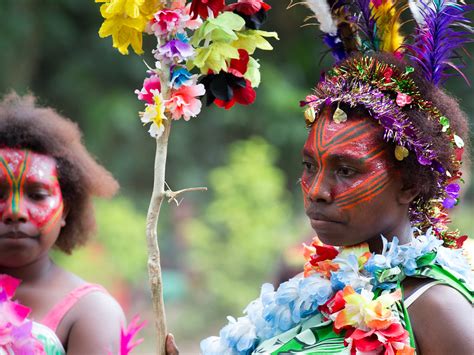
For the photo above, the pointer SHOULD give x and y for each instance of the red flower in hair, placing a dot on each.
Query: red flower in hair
(248, 7)
(201, 7)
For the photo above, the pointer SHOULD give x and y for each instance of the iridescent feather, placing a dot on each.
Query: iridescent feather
(439, 37)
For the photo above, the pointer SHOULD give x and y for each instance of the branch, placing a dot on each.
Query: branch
(154, 266)
(171, 195)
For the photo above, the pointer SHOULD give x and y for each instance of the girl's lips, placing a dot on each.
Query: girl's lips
(15, 235)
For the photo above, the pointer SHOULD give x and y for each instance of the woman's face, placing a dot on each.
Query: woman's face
(349, 184)
(31, 206)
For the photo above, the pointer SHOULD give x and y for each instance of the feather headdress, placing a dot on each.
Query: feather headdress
(442, 30)
(389, 91)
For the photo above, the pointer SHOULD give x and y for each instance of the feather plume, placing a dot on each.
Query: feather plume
(323, 14)
(387, 18)
(444, 30)
(415, 8)
(329, 25)
(366, 25)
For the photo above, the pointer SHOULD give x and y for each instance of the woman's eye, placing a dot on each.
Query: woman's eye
(308, 166)
(345, 171)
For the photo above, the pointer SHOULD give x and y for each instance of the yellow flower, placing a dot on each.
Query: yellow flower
(125, 21)
(155, 114)
(362, 311)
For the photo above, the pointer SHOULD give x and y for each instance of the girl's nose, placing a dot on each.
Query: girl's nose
(15, 213)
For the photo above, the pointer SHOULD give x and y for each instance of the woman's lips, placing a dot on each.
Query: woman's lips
(322, 218)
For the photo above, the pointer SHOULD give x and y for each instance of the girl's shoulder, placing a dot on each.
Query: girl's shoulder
(87, 315)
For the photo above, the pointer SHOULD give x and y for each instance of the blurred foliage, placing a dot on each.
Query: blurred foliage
(118, 250)
(243, 230)
(239, 227)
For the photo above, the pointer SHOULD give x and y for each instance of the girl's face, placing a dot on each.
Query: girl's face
(349, 184)
(31, 206)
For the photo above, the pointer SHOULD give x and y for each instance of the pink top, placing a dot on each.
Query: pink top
(60, 309)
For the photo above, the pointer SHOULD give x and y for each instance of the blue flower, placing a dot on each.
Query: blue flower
(180, 76)
(215, 346)
(239, 334)
(313, 292)
(348, 274)
(453, 261)
(254, 311)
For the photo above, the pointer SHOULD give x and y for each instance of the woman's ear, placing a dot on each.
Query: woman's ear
(408, 193)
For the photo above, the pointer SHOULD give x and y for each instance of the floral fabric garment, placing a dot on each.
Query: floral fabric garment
(52, 345)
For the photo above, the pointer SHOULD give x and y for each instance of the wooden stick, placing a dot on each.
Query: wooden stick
(154, 266)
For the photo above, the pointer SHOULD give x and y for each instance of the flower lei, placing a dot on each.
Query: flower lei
(15, 328)
(216, 39)
(385, 91)
(355, 289)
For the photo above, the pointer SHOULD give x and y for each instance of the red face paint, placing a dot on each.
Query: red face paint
(347, 178)
(30, 194)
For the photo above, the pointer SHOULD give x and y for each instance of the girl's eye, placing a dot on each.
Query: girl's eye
(3, 193)
(38, 195)
(345, 172)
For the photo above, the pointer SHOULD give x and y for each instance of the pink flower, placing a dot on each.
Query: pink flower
(15, 329)
(403, 99)
(168, 21)
(183, 101)
(151, 83)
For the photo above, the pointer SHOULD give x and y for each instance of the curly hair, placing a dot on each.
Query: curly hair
(25, 125)
(420, 176)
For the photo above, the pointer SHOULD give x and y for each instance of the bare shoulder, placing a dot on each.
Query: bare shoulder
(97, 319)
(442, 321)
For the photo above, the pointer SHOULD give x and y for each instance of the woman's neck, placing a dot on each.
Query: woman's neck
(30, 273)
(402, 231)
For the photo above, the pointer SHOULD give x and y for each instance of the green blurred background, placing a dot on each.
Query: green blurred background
(218, 246)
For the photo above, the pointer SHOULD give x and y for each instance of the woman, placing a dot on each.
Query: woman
(391, 287)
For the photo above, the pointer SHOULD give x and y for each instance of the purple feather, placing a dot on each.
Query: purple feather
(437, 41)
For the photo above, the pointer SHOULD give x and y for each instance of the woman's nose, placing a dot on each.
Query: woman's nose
(320, 189)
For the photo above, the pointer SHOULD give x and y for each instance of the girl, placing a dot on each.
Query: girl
(47, 181)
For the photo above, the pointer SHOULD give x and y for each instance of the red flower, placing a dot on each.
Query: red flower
(248, 7)
(242, 95)
(201, 7)
(323, 252)
(333, 305)
(387, 74)
(393, 339)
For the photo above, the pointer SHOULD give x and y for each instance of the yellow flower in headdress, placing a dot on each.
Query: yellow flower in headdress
(125, 21)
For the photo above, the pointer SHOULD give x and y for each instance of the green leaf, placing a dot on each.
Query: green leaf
(253, 39)
(214, 57)
(253, 72)
(219, 29)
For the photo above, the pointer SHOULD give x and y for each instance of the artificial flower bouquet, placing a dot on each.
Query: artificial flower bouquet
(204, 47)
